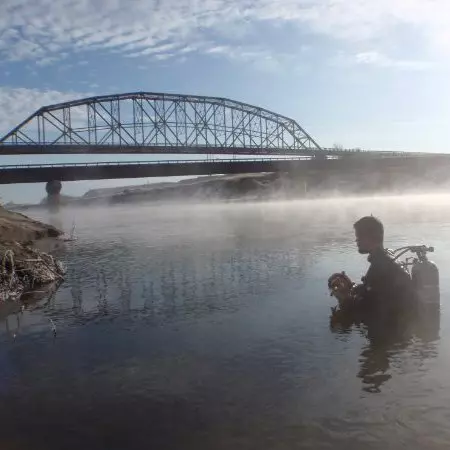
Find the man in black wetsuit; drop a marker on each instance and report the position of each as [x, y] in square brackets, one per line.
[385, 303]
[386, 285]
[386, 290]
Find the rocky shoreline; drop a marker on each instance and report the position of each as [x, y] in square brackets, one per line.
[22, 266]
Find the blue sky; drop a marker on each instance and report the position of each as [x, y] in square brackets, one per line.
[362, 73]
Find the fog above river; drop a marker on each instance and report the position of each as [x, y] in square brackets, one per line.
[338, 210]
[324, 220]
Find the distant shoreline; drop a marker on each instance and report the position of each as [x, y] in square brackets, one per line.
[238, 188]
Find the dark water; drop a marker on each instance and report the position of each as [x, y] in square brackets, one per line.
[208, 328]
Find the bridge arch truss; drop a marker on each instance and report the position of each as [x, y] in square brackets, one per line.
[159, 123]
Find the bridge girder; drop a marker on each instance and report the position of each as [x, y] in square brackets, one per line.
[152, 120]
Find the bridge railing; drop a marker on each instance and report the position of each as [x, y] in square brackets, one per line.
[159, 162]
[62, 148]
[213, 161]
[211, 146]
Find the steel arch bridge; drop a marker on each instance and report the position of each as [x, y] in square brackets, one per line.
[143, 122]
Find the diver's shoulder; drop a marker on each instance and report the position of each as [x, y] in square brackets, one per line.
[388, 256]
[385, 261]
[381, 256]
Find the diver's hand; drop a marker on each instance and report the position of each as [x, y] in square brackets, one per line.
[358, 291]
[343, 295]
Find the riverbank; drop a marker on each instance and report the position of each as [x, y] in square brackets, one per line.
[23, 263]
[259, 187]
[216, 188]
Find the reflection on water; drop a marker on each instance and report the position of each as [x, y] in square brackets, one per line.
[384, 346]
[209, 328]
[420, 331]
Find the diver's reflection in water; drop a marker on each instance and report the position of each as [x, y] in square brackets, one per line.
[386, 343]
[383, 345]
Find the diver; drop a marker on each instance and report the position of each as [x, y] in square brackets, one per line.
[391, 305]
[386, 290]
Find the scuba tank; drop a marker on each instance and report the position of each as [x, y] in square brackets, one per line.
[425, 280]
[424, 273]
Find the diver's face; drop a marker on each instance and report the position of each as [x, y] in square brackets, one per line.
[364, 243]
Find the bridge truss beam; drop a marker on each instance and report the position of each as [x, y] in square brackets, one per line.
[158, 121]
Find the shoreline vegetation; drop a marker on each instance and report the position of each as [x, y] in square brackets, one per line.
[245, 187]
[24, 265]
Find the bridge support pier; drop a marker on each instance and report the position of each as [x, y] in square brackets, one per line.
[53, 189]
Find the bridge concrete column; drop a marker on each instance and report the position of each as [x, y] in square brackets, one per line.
[53, 189]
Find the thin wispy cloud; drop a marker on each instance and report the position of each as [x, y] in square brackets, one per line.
[255, 56]
[41, 30]
[16, 104]
[379, 60]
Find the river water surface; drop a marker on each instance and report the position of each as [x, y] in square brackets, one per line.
[207, 327]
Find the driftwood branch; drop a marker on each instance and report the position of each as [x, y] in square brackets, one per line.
[18, 272]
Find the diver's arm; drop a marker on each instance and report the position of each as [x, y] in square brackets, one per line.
[354, 296]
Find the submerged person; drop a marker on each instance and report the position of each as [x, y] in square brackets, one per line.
[386, 291]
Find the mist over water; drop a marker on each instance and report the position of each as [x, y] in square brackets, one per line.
[205, 327]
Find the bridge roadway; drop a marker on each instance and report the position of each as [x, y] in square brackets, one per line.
[72, 149]
[35, 173]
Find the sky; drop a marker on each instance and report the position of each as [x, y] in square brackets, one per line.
[361, 73]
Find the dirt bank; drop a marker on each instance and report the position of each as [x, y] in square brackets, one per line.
[20, 228]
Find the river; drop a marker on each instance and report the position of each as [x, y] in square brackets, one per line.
[207, 327]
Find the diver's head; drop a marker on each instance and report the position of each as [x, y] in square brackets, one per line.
[369, 232]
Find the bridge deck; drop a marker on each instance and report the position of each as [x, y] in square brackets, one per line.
[35, 173]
